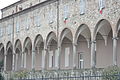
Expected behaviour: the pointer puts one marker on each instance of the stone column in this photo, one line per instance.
(59, 52)
(13, 62)
(25, 55)
(93, 53)
(5, 59)
(115, 51)
(16, 66)
(33, 58)
(74, 55)
(43, 58)
(22, 60)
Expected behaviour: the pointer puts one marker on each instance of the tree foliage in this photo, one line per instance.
(111, 73)
(1, 77)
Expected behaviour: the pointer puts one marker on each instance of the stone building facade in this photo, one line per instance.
(60, 34)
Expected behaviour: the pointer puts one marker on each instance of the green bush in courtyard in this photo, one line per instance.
(111, 73)
(21, 74)
(1, 77)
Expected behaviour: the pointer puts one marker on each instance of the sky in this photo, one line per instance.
(4, 3)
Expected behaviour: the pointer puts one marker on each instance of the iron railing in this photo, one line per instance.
(86, 74)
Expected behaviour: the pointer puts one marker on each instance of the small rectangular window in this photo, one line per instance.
(28, 22)
(101, 4)
(66, 11)
(37, 20)
(17, 25)
(67, 52)
(51, 17)
(80, 60)
(82, 7)
(56, 58)
(51, 59)
(9, 29)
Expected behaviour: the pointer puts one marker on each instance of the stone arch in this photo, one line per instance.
(9, 56)
(103, 27)
(39, 47)
(27, 53)
(2, 53)
(117, 27)
(84, 30)
(103, 34)
(82, 41)
(51, 36)
(64, 32)
(18, 55)
(18, 45)
(52, 50)
(66, 56)
(9, 45)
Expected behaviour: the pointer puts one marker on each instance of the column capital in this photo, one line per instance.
(13, 52)
(45, 49)
(21, 52)
(93, 41)
(5, 54)
(116, 38)
(75, 44)
(58, 46)
(33, 50)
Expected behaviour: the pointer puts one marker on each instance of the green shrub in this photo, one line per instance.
(21, 74)
(1, 77)
(111, 73)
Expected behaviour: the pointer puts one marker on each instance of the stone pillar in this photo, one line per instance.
(33, 58)
(13, 62)
(74, 55)
(5, 59)
(16, 62)
(115, 51)
(22, 60)
(43, 58)
(25, 55)
(59, 52)
(93, 53)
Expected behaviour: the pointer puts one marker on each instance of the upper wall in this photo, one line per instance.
(45, 17)
(19, 6)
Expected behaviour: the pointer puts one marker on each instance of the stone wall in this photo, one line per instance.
(50, 17)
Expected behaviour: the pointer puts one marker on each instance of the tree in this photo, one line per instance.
(111, 73)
